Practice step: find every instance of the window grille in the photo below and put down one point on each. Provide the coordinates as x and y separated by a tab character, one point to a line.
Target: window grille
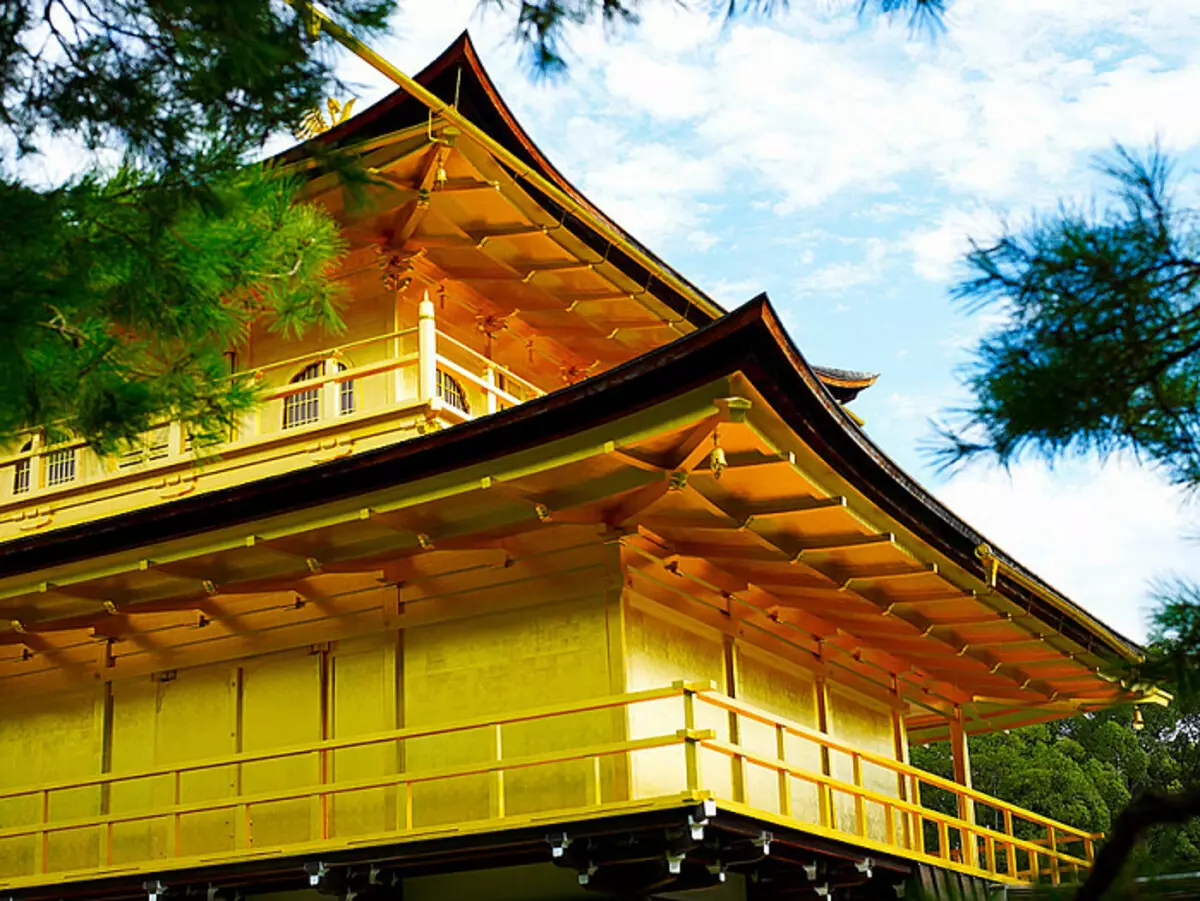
23	472
154	445
304	407
60	466
451	392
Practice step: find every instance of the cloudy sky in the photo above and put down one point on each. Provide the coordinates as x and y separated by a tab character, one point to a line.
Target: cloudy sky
840	165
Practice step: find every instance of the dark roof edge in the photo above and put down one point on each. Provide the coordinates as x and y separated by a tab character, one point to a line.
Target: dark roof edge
517	140
750	340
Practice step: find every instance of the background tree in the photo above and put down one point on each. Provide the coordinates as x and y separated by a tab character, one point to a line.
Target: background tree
1099	352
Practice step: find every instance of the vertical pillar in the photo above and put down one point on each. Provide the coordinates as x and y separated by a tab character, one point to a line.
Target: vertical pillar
824	793
330	392
493	403
738	762
900	749
426	350
37	459
960	755
397	377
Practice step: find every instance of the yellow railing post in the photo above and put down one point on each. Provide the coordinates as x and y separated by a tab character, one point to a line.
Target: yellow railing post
860	808
595	783
918	824
497	780
691	747
785	786
1052	843
1010	851
41	849
173	842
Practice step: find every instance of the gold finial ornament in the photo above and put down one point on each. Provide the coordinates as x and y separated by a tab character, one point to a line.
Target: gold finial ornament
315	122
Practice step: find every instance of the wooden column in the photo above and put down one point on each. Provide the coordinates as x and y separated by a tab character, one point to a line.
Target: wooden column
426	350
738	763
824	794
960	755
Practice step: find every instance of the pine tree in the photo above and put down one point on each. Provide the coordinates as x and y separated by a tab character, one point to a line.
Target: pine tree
1098	351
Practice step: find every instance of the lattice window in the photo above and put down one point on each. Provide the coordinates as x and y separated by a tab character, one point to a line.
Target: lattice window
23	471
346	404
154	445
451	392
60	466
304	407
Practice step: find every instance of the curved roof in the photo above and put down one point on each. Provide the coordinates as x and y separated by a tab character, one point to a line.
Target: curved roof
458	77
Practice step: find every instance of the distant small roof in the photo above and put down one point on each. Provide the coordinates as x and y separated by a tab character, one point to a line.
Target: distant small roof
845	384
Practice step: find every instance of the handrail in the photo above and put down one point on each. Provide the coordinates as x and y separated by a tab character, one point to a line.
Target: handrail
716	699
436	347
731	750
338	744
485	361
981	849
336	788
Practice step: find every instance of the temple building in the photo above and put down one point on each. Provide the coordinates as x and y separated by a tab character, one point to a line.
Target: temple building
547	579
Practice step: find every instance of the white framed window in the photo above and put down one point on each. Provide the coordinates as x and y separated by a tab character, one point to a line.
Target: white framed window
23	471
304	407
451	392
60	466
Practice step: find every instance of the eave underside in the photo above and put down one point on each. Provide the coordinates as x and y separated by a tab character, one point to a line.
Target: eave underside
773	545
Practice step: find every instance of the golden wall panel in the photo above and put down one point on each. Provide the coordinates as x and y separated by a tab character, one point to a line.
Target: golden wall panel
43	740
867	725
363	700
281	705
664	647
506	661
790	692
192	716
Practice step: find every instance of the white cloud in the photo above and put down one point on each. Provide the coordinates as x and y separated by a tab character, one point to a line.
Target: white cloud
938	249
1097	533
840	276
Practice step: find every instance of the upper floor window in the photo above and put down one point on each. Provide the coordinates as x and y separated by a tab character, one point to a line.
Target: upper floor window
23	473
60	466
304	407
451	392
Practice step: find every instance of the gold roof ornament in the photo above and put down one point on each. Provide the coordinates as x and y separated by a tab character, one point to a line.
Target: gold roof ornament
316	123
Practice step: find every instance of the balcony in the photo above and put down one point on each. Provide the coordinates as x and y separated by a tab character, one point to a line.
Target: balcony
555	765
315	407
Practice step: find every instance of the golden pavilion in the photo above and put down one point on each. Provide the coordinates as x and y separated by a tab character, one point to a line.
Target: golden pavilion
549	579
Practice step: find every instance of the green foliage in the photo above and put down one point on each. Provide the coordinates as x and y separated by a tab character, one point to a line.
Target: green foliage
1100	345
121	297
164	78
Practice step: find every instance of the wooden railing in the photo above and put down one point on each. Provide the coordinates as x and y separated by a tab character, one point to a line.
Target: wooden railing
592	779
396	371
1027	846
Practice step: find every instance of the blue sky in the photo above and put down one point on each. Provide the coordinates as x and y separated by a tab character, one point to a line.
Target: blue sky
840	164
